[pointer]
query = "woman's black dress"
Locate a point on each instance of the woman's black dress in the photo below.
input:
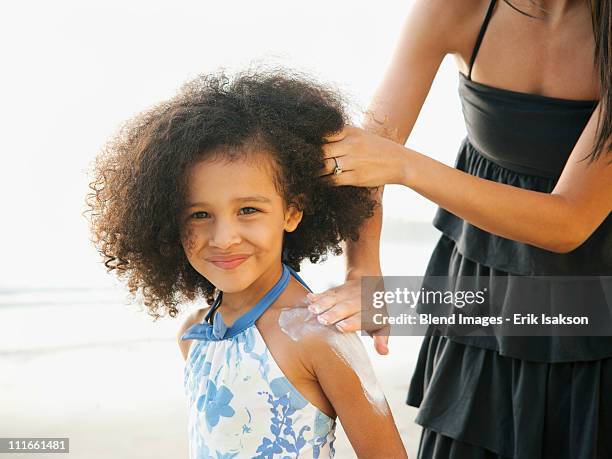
(514, 397)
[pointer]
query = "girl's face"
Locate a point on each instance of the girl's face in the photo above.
(233, 224)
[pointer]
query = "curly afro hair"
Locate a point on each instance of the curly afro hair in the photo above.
(139, 177)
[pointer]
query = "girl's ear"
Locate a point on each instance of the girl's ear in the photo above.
(294, 214)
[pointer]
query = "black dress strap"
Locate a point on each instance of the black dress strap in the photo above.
(483, 28)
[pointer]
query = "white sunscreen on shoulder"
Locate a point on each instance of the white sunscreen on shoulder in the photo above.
(299, 322)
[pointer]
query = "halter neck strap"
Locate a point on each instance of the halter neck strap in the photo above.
(217, 330)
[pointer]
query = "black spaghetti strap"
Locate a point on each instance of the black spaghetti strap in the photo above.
(483, 28)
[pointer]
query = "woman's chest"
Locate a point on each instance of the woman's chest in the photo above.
(535, 56)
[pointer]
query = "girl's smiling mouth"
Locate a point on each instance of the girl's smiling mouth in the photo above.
(229, 261)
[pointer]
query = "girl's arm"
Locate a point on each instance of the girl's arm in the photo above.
(340, 364)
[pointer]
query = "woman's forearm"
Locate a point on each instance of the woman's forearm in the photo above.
(540, 219)
(363, 255)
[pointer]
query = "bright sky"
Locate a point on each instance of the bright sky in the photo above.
(72, 71)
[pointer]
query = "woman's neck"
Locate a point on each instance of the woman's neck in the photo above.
(555, 10)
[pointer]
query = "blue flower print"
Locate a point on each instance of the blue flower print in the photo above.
(215, 404)
(284, 401)
(201, 450)
(246, 427)
(281, 386)
(226, 455)
(322, 426)
(207, 367)
(248, 339)
(203, 453)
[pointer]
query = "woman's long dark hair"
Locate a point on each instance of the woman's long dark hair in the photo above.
(601, 18)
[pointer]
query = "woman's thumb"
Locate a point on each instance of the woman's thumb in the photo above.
(381, 344)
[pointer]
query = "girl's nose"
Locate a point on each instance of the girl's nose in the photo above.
(224, 235)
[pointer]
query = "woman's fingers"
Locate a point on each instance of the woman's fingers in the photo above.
(346, 178)
(341, 306)
(381, 344)
(323, 301)
(335, 149)
(331, 162)
(336, 136)
(340, 311)
(350, 324)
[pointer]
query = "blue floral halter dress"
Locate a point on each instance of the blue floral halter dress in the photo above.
(241, 405)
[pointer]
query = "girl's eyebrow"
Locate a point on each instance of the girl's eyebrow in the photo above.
(255, 198)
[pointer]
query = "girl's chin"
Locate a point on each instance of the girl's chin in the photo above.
(228, 283)
(230, 289)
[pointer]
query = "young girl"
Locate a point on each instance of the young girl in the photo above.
(214, 194)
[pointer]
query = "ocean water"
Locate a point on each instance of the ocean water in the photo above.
(52, 318)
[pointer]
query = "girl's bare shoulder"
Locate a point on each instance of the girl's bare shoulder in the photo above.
(195, 316)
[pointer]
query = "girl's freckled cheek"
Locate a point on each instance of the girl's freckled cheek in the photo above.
(189, 239)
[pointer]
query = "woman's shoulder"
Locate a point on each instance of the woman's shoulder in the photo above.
(451, 9)
(453, 24)
(193, 317)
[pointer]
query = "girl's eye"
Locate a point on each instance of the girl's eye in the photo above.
(243, 211)
(199, 215)
(248, 210)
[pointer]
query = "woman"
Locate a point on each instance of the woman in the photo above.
(530, 194)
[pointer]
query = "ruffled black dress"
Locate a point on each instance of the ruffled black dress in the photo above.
(514, 397)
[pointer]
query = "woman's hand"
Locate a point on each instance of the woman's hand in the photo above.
(366, 159)
(341, 306)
